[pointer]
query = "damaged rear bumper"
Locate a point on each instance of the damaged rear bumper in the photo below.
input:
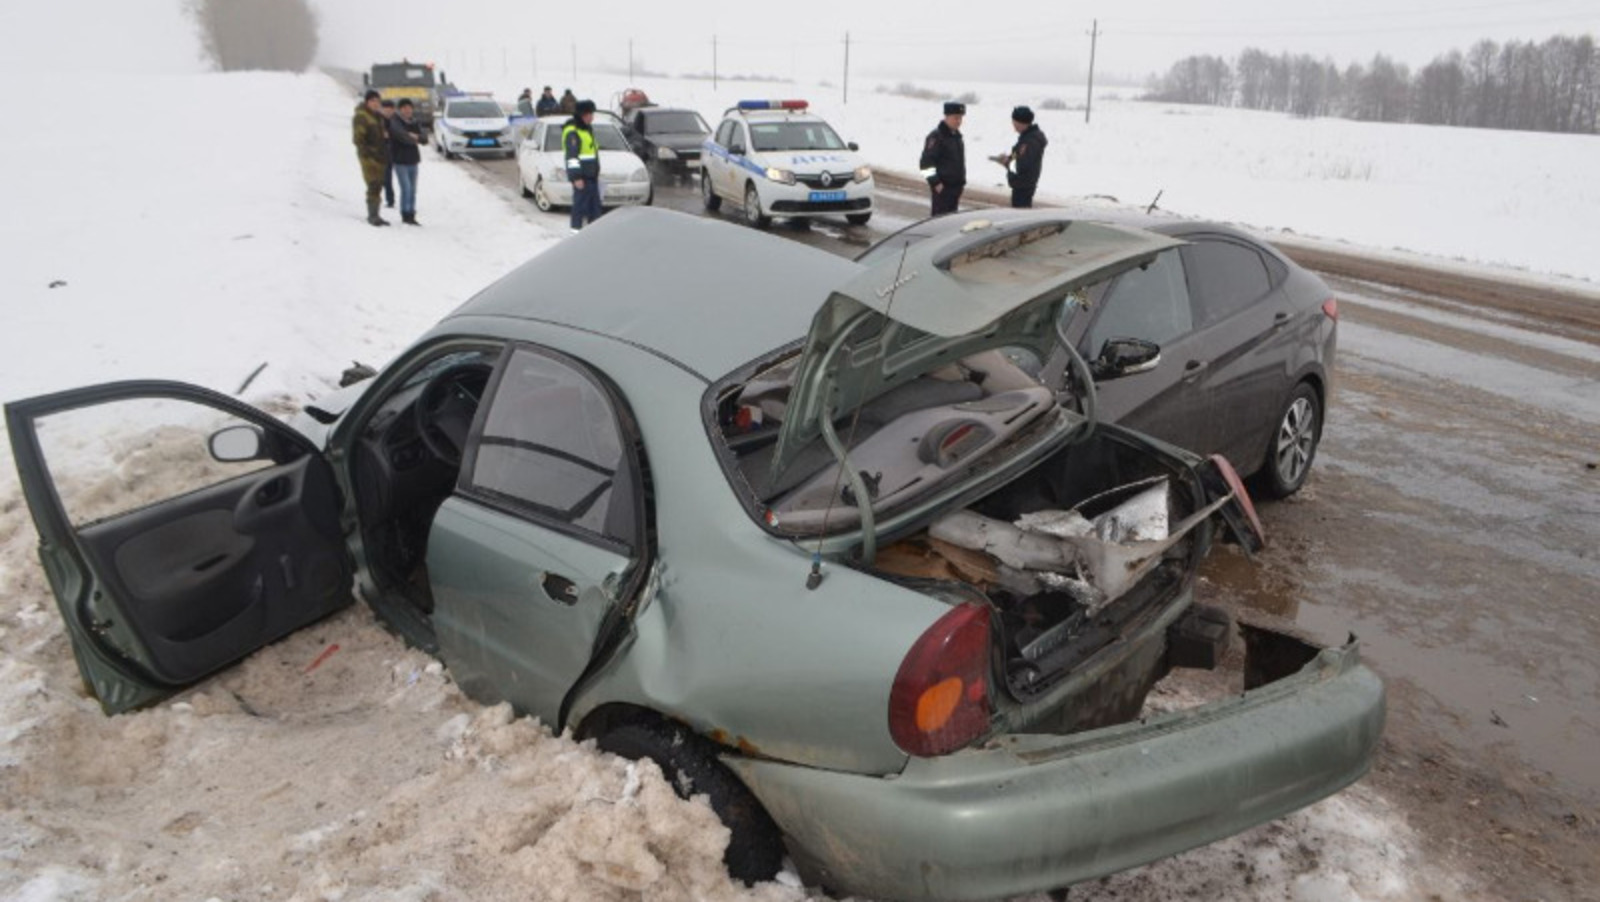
(1031, 812)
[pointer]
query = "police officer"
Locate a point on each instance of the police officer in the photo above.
(372, 151)
(583, 164)
(944, 160)
(1025, 159)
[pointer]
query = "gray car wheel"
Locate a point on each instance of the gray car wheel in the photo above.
(752, 209)
(1294, 443)
(540, 198)
(712, 200)
(522, 183)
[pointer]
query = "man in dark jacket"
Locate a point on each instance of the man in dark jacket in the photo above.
(548, 105)
(405, 140)
(1025, 159)
(372, 151)
(569, 103)
(583, 164)
(386, 110)
(944, 160)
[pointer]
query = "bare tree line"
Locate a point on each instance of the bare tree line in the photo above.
(1553, 86)
(256, 34)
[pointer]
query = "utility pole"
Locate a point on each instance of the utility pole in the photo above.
(630, 61)
(847, 67)
(1094, 38)
(533, 54)
(574, 62)
(713, 62)
(505, 61)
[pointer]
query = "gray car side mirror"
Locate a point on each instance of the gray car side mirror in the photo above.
(236, 444)
(1125, 357)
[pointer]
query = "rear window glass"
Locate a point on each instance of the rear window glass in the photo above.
(672, 124)
(1225, 277)
(1150, 303)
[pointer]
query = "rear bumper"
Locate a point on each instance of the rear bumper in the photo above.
(1026, 813)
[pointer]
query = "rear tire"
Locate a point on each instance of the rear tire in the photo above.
(1294, 442)
(522, 183)
(541, 199)
(858, 218)
(709, 195)
(752, 209)
(689, 762)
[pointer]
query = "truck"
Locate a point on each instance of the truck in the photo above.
(406, 80)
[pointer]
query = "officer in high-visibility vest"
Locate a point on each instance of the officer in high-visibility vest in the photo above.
(583, 164)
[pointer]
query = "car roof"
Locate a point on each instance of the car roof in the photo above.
(641, 275)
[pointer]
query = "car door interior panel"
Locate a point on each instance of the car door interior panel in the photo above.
(205, 578)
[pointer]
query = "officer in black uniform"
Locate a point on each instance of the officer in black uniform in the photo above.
(1026, 158)
(944, 160)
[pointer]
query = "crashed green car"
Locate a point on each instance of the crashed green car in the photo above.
(880, 587)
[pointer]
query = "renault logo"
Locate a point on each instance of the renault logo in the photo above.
(827, 179)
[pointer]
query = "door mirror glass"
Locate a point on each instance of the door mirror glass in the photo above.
(237, 444)
(853, 146)
(1125, 357)
(737, 148)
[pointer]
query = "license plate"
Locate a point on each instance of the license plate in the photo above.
(481, 142)
(823, 196)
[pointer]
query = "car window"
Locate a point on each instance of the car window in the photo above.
(551, 445)
(1150, 303)
(609, 137)
(475, 109)
(552, 138)
(794, 136)
(724, 132)
(672, 123)
(1225, 277)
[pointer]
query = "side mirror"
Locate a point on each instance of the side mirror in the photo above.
(1125, 357)
(366, 80)
(853, 146)
(736, 149)
(236, 444)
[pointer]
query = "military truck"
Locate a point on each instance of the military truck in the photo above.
(406, 80)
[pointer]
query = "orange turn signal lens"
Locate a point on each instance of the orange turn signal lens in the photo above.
(937, 703)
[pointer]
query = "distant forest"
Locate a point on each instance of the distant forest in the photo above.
(1552, 86)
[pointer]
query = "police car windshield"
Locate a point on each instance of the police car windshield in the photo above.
(674, 123)
(606, 135)
(476, 109)
(794, 136)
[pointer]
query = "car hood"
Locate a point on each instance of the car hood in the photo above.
(614, 164)
(478, 124)
(678, 140)
(806, 162)
(993, 284)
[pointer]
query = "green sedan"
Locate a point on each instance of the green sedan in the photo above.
(827, 541)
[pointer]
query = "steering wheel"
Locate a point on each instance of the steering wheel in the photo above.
(446, 406)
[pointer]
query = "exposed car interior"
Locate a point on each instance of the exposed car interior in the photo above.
(406, 464)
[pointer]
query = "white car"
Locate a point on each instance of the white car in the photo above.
(542, 167)
(776, 159)
(473, 125)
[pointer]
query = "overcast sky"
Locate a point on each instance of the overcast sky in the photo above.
(1023, 40)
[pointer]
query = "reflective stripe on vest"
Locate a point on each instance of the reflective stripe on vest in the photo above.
(586, 147)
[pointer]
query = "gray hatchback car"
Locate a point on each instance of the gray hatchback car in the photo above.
(813, 535)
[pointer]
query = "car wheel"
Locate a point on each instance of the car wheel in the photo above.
(689, 762)
(540, 198)
(752, 209)
(650, 199)
(858, 218)
(522, 183)
(1294, 443)
(710, 197)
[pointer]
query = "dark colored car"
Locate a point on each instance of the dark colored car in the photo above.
(668, 139)
(1221, 346)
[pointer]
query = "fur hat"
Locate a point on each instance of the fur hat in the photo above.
(955, 108)
(1023, 115)
(584, 106)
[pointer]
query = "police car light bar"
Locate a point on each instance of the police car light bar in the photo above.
(772, 105)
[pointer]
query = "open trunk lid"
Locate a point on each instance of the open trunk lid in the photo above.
(989, 285)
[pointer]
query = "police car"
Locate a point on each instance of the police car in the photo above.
(473, 125)
(776, 159)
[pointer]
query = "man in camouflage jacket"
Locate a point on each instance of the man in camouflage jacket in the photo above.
(371, 138)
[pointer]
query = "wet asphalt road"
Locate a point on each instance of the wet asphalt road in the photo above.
(1452, 522)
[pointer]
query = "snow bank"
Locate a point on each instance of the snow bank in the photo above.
(1521, 200)
(337, 764)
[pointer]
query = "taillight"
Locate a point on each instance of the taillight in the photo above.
(940, 699)
(1331, 307)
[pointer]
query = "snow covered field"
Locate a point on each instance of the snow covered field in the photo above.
(337, 765)
(1508, 199)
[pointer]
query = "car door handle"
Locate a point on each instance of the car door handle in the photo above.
(1193, 369)
(1279, 321)
(559, 588)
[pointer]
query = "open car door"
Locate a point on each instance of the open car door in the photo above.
(179, 529)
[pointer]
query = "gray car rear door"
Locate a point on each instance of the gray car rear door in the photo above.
(544, 538)
(169, 563)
